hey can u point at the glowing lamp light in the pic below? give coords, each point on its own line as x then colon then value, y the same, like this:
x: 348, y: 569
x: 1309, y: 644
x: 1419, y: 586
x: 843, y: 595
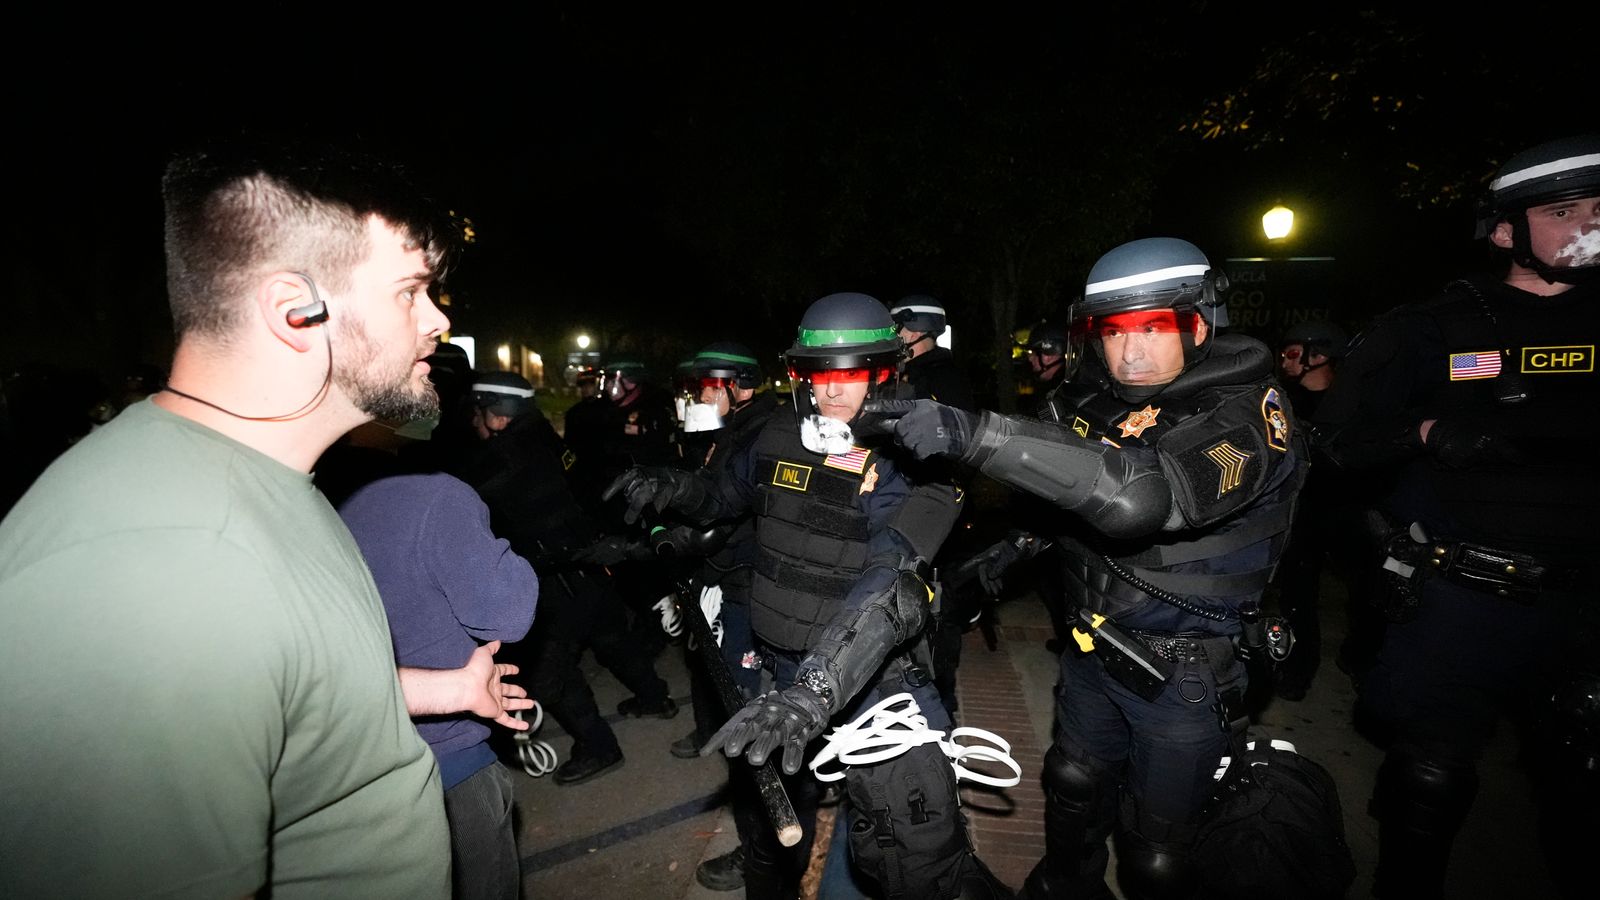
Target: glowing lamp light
x: 503, y: 353
x: 583, y: 342
x: 1277, y: 222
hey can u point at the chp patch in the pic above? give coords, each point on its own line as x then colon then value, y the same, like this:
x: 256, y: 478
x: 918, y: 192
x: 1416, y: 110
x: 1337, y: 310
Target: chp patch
x: 1558, y: 360
x: 1277, y: 421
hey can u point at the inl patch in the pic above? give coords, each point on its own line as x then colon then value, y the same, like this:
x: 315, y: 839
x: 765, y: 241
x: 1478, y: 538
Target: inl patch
x: 790, y: 475
x: 1558, y: 360
x: 1230, y: 460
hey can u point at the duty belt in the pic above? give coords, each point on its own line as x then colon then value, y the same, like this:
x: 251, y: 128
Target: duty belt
x: 1504, y: 573
x: 1186, y: 647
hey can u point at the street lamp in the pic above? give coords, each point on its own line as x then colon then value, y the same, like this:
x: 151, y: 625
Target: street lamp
x: 583, y: 342
x: 1277, y: 222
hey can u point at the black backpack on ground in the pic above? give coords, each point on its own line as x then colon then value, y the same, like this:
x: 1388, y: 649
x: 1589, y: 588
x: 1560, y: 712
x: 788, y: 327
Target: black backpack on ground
x: 1273, y: 828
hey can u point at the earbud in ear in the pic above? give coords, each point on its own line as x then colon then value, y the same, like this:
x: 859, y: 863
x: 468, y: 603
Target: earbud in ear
x: 308, y: 315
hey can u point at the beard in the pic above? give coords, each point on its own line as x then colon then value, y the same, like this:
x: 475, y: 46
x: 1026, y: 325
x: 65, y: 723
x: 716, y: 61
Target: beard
x: 382, y: 390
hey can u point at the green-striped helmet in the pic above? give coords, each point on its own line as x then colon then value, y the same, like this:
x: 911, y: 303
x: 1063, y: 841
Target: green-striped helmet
x: 731, y: 360
x: 845, y: 331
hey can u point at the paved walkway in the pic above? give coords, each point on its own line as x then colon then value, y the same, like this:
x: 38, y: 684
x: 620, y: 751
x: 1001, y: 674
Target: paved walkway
x: 639, y: 832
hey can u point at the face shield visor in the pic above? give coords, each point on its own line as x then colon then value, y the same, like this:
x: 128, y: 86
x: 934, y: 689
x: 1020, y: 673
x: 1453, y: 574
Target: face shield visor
x: 1141, y: 347
x: 828, y: 400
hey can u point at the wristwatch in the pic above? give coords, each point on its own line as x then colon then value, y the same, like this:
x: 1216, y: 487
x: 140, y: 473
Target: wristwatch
x: 817, y: 682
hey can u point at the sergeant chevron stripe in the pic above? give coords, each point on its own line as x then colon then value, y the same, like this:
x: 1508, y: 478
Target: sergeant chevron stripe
x: 1230, y: 460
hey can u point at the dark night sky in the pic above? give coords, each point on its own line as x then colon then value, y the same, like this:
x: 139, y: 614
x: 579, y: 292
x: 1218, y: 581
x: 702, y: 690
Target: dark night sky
x: 601, y: 158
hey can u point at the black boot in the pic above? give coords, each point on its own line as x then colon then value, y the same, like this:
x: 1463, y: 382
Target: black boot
x: 723, y: 873
x: 586, y: 764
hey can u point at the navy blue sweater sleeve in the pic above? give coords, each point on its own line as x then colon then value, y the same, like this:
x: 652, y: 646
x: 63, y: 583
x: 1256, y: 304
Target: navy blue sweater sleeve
x: 491, y: 590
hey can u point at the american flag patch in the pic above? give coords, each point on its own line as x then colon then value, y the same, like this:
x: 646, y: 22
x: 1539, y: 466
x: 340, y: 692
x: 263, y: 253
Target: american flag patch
x: 854, y: 461
x: 1465, y: 366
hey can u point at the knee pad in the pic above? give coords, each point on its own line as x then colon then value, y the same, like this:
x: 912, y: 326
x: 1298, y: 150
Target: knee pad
x: 1423, y: 792
x: 1149, y: 870
x: 1076, y: 784
x: 908, y: 832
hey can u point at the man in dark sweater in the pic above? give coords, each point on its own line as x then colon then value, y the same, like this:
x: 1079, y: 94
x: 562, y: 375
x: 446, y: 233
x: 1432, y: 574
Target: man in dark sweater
x: 448, y: 584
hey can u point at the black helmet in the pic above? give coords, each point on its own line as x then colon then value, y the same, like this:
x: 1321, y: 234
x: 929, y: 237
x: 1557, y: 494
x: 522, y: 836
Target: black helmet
x: 1047, y: 337
x: 919, y: 312
x: 1317, y: 336
x: 1563, y: 169
x: 1148, y: 275
x: 844, y: 331
x: 502, y: 393
x: 614, y: 373
x: 730, y: 360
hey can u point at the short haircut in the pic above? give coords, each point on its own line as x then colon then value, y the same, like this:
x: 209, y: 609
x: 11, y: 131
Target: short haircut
x: 237, y: 212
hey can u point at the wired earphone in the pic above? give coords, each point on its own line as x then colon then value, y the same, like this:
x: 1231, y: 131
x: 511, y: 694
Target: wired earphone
x: 313, y: 313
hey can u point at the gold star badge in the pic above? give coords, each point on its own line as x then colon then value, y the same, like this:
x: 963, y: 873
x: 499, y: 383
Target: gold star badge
x: 870, y: 481
x: 1136, y: 423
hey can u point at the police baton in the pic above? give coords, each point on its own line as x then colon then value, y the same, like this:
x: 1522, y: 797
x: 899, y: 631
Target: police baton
x: 780, y: 812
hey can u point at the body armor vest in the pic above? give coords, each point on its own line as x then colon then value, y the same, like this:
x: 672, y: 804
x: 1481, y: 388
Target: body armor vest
x: 1169, y: 561
x: 810, y: 532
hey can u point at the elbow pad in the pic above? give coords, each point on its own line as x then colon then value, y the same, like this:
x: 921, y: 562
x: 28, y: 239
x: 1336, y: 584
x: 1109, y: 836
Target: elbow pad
x: 1112, y: 491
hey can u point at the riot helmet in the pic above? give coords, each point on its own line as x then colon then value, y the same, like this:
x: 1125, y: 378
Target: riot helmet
x: 1552, y: 172
x: 919, y: 313
x: 843, y: 340
x: 622, y: 379
x: 1135, y: 294
x: 722, y: 367
x: 1313, y: 338
x: 1046, y: 346
x: 729, y: 361
x: 501, y: 393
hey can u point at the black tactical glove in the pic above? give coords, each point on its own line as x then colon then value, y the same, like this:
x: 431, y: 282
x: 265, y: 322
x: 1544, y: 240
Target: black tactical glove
x: 653, y: 486
x: 927, y: 428
x: 610, y: 550
x: 1465, y: 445
x: 789, y: 718
x: 996, y: 561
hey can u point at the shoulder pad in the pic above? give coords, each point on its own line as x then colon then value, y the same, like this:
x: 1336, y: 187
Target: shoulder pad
x: 1221, y: 459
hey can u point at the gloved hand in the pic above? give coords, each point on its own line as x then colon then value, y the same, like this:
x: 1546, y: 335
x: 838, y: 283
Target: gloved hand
x: 927, y: 428
x: 789, y: 718
x: 1463, y: 445
x: 652, y: 486
x: 996, y: 561
x: 610, y: 550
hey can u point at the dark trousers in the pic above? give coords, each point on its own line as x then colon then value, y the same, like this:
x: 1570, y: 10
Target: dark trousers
x: 483, y: 841
x: 581, y: 613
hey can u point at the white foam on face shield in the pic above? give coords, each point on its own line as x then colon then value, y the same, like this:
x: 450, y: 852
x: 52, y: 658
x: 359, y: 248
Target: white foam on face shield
x: 699, y: 417
x: 821, y: 434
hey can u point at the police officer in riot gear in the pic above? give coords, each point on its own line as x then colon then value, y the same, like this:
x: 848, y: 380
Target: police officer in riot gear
x: 520, y: 468
x: 1183, y: 467
x: 930, y: 369
x: 1475, y: 404
x: 839, y: 606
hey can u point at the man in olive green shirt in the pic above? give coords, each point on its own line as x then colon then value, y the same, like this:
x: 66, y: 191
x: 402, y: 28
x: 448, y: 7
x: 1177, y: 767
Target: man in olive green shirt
x: 198, y: 694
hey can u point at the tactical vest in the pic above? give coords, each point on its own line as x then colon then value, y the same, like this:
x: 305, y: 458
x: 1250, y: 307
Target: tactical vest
x: 1160, y: 562
x: 811, y: 534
